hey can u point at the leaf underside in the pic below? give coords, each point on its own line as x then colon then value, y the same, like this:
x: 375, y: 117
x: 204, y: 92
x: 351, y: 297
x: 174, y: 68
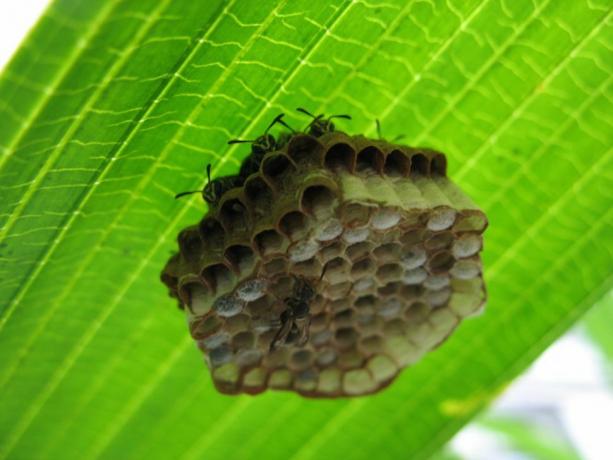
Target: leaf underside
x: 110, y: 108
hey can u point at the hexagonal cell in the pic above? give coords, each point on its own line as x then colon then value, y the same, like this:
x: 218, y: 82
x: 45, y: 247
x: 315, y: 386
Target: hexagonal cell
x: 212, y: 233
x: 340, y: 156
x: 439, y: 241
x: 329, y: 381
x: 260, y: 195
x: 228, y: 305
x: 437, y: 281
x: 413, y: 257
x: 389, y: 272
x: 441, y: 219
x: 343, y: 319
x: 319, y: 322
x: 393, y: 326
x: 326, y: 357
x: 321, y: 338
x: 363, y: 267
x: 440, y: 262
x: 252, y: 289
x: 255, y: 378
x: 466, y: 269
x: 219, y: 277
x: 204, y: 327
x: 356, y: 235
x: 190, y: 243
x: 371, y: 344
x: 248, y: 357
x: 226, y: 376
x: 215, y: 340
x: 294, y: 224
x: 233, y: 215
x: 382, y: 368
x: 397, y: 163
x: 358, y: 381
x: 306, y: 380
x: 370, y: 159
x: 304, y: 148
x: 317, y: 200
x: 281, y: 379
x: 303, y: 250
x: 358, y: 250
x: 350, y: 358
x: 417, y: 312
x: 329, y: 230
x: 337, y: 291
x: 390, y: 307
x: 387, y: 252
x: 415, y: 276
x: 439, y: 165
x: 420, y: 165
x: 270, y: 242
x: 411, y: 291
x: 474, y: 221
x: 366, y: 303
x: 466, y: 245
x: 300, y: 359
x: 369, y: 324
x: 437, y: 297
x: 389, y: 289
x: 310, y: 268
x: 220, y: 355
x: 366, y: 284
x: 275, y: 266
x: 331, y: 251
x: 244, y: 339
x: 336, y: 270
x: 356, y: 215
x: 412, y: 237
x: 276, y: 165
x: 238, y: 323
x: 402, y: 351
x: 240, y: 257
x: 385, y: 218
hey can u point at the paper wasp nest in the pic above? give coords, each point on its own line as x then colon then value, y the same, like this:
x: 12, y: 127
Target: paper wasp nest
x: 398, y: 245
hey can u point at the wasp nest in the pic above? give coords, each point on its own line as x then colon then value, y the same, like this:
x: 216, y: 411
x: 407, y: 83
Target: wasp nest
x: 340, y: 261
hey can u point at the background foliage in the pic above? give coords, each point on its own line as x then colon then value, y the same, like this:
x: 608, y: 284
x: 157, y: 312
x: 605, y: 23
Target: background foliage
x: 111, y: 107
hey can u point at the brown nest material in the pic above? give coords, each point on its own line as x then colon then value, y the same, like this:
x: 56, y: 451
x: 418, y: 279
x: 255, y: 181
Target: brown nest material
x: 372, y: 238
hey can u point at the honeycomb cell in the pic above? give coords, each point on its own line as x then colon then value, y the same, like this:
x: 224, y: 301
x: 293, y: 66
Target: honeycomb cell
x: 228, y: 305
x: 252, y: 289
x: 294, y: 224
x: 219, y: 276
x: 397, y: 164
x: 340, y: 156
x: 382, y: 368
x: 466, y: 245
x: 370, y: 159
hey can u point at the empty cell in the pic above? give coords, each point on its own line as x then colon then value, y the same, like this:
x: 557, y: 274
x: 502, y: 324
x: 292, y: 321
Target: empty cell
x: 249, y: 357
x: 336, y: 270
x: 417, y: 312
x: 419, y: 164
x: 340, y: 156
x: 397, y: 164
x: 466, y: 269
x: 443, y: 319
x: 437, y: 298
x: 269, y: 242
x: 303, y: 250
x: 220, y: 355
x: 390, y: 308
x: 369, y: 324
x: 393, y: 326
x: 321, y: 338
x: 212, y: 232
x: 382, y: 368
x: 303, y: 148
x: 356, y: 235
x: 252, y: 289
x: 237, y: 323
x: 466, y: 245
x: 200, y: 298
x: 228, y: 305
x: 329, y: 381
x: 326, y: 357
x: 362, y: 268
x: 338, y: 291
x: 440, y: 262
x: 332, y: 250
x: 280, y: 379
x: 215, y: 340
x: 439, y: 241
x: 389, y: 272
x: 385, y: 218
x: 371, y: 344
x: 203, y: 328
x: 345, y: 337
x: 343, y: 318
x: 388, y: 252
x: 260, y: 307
x: 415, y: 276
x: 356, y: 215
x: 358, y: 250
x: 413, y: 258
x: 413, y: 236
x: 240, y: 257
x: 244, y: 339
x: 317, y: 200
x: 329, y: 230
x: 369, y: 159
x: 294, y: 224
x: 411, y: 291
x: 437, y: 281
x: 319, y: 322
x: 260, y: 195
x: 277, y: 165
x: 439, y: 165
x: 219, y: 276
x: 190, y: 243
x: 255, y: 377
x: 309, y: 268
x: 366, y: 302
x: 358, y: 381
x: 301, y: 359
x: 389, y: 289
x: 233, y: 215
x: 441, y: 219
x: 276, y: 266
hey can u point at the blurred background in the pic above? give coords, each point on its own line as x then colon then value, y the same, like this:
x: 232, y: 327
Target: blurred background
x: 561, y: 408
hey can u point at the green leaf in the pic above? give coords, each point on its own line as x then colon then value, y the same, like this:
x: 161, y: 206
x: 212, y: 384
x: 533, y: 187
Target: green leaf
x: 598, y: 324
x: 111, y: 107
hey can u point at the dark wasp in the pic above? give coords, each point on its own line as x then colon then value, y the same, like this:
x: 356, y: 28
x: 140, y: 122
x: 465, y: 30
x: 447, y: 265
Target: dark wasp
x: 296, y: 318
x: 214, y: 189
x: 321, y: 125
x: 260, y: 147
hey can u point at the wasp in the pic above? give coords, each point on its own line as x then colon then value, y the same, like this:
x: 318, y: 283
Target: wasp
x: 260, y: 147
x: 320, y: 125
x: 296, y: 318
x: 214, y: 189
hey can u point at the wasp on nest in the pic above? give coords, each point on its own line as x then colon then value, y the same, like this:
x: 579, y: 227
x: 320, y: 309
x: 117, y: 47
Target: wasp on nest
x: 328, y: 264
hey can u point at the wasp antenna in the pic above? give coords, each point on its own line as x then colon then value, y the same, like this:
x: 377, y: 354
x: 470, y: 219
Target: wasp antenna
x: 378, y: 123
x: 182, y: 194
x: 398, y: 137
x: 306, y: 112
x: 323, y: 272
x: 240, y: 141
x: 282, y: 123
x: 208, y: 172
x: 346, y: 117
x: 278, y: 119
